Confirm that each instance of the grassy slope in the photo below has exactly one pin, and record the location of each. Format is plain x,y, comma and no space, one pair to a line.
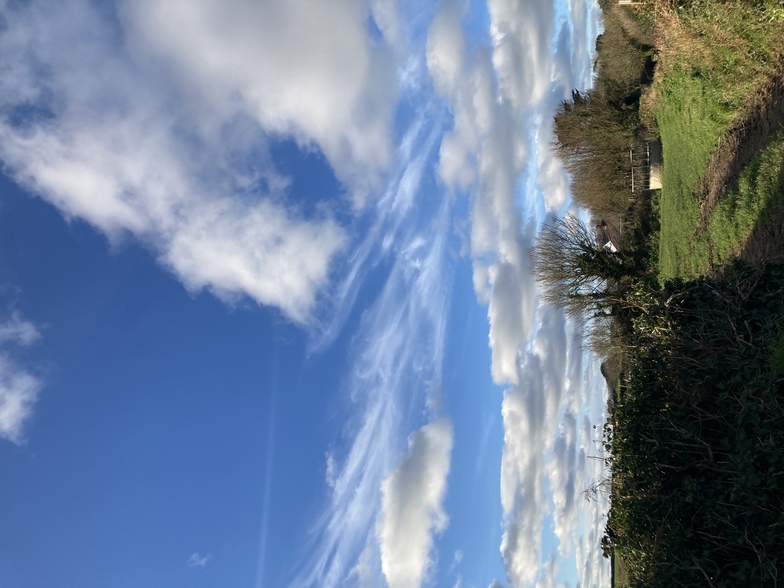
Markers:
682,114
759,195
716,56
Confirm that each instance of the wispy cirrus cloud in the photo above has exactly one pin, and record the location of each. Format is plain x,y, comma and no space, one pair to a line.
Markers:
396,371
155,120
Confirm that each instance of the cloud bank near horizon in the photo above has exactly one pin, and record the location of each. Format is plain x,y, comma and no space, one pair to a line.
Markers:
498,151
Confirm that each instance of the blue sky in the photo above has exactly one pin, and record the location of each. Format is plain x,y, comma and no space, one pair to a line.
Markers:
266,317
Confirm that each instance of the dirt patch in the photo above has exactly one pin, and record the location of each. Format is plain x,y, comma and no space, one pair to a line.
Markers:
763,116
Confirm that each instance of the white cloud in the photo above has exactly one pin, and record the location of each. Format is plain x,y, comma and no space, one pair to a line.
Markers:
19,388
18,330
562,475
522,33
548,574
456,560
499,151
396,369
284,64
197,560
18,393
445,49
511,314
330,470
388,20
411,506
165,135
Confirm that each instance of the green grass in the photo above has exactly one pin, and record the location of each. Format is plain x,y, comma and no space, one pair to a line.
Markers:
619,571
690,128
759,194
722,53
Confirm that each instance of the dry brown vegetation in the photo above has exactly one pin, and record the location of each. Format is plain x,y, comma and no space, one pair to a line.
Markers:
595,129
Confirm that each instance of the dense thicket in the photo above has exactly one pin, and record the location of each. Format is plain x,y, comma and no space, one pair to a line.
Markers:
696,432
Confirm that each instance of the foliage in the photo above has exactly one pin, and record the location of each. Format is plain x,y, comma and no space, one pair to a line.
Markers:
696,438
595,129
695,352
777,355
593,139
622,52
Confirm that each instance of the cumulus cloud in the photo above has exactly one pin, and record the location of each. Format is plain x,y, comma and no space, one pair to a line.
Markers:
283,64
411,505
156,121
562,473
522,33
18,387
499,152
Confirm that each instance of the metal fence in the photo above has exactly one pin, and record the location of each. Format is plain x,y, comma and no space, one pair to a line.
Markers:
640,164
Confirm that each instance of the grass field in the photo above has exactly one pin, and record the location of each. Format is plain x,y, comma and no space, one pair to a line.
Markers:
758,197
682,114
685,250
713,59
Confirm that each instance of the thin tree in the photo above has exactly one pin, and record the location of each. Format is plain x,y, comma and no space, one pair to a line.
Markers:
575,274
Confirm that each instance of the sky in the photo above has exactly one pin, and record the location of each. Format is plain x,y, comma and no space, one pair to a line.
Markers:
266,314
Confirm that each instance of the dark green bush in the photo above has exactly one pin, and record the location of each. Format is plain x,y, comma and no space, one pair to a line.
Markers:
696,438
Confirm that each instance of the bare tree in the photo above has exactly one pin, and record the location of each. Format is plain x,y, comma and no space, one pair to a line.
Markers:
574,272
592,139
